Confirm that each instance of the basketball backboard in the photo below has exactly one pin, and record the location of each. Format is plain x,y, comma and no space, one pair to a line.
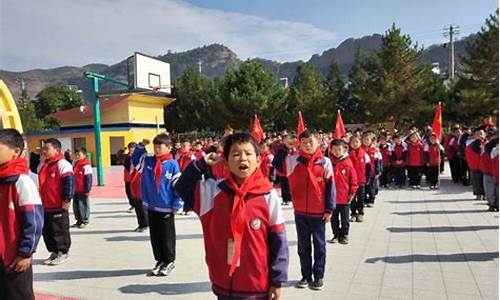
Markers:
148,74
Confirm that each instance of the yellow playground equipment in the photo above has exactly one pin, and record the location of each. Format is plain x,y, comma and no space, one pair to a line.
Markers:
9,116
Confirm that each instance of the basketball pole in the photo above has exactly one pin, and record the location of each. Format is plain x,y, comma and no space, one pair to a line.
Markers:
95,77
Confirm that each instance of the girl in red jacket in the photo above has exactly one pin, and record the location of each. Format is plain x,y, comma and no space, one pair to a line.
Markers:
346,185
414,159
361,162
432,159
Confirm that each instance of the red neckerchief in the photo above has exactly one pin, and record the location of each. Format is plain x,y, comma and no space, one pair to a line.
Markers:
14,167
311,158
158,167
42,175
255,184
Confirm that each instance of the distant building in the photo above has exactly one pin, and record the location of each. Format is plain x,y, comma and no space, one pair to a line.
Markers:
124,118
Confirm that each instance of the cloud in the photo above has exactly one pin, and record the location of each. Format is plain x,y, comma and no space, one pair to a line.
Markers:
42,34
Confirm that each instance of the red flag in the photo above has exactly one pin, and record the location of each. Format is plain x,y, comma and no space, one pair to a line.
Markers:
339,126
300,126
437,122
257,132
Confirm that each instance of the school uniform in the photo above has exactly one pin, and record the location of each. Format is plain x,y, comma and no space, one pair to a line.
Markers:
414,162
486,166
464,166
137,159
83,185
453,154
57,186
361,162
386,176
127,178
313,194
346,183
246,249
473,156
266,165
494,171
432,161
398,162
375,170
278,165
158,176
184,159
21,216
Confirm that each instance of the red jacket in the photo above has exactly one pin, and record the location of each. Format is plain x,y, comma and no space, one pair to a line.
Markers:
432,154
264,250
199,154
361,162
399,154
346,179
414,154
83,176
305,198
494,169
266,163
127,162
386,152
56,183
21,214
184,159
486,163
472,154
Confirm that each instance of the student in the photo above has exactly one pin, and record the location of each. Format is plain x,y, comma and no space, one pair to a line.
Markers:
127,175
494,171
313,196
464,166
398,161
386,152
21,219
266,160
198,150
486,166
184,155
361,162
243,226
346,185
137,159
453,153
414,159
472,155
369,145
158,176
287,147
56,184
83,184
432,160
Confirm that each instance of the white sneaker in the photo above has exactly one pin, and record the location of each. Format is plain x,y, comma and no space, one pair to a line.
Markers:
166,270
61,258
52,256
156,270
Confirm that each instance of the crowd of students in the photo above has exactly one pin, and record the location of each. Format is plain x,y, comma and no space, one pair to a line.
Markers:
237,186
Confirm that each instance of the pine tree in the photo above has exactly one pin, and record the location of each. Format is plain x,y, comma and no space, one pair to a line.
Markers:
335,91
477,88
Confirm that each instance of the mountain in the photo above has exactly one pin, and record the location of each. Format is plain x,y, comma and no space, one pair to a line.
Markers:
215,59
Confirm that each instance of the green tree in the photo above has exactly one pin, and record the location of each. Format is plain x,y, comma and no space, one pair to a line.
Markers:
335,91
477,87
307,94
27,113
251,90
55,98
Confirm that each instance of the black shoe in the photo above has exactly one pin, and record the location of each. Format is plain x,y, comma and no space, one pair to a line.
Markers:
344,241
491,208
334,240
369,205
303,283
317,285
141,229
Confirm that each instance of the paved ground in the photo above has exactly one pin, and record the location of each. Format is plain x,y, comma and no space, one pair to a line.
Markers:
413,245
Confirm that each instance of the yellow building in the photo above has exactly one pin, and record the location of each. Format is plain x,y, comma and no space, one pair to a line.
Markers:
9,116
124,118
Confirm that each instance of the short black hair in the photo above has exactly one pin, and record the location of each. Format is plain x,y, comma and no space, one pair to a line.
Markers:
82,150
337,142
307,134
198,143
131,144
11,138
238,138
162,139
54,142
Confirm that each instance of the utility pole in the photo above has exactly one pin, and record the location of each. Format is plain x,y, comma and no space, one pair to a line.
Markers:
451,31
199,66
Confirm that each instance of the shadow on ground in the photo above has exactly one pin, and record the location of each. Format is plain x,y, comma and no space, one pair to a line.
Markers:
438,212
142,238
73,275
442,228
167,288
455,257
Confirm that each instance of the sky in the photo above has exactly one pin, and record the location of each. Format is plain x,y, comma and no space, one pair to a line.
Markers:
54,33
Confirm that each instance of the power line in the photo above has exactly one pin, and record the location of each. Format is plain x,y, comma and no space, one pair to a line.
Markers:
451,31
